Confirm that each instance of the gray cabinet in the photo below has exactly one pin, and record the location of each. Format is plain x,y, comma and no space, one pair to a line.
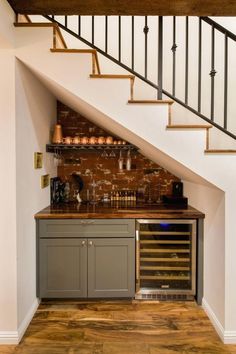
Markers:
62,268
71,265
111,265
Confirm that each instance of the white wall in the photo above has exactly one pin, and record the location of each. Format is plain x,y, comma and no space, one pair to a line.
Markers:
227,22
35,116
7,39
27,113
211,201
8,291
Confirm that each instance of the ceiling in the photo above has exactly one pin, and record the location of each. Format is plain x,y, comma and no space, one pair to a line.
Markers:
126,7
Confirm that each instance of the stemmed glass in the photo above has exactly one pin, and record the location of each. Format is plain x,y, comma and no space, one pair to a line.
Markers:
112,154
104,154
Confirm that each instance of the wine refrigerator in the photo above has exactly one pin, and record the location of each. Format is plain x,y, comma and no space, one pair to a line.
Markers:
166,259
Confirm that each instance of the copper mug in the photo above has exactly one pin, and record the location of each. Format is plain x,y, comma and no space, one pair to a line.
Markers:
67,140
76,140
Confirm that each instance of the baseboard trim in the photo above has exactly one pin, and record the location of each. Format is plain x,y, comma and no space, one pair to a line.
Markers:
214,320
25,323
227,337
230,337
10,337
14,337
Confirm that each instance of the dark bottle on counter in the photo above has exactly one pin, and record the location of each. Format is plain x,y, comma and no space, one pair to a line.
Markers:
67,192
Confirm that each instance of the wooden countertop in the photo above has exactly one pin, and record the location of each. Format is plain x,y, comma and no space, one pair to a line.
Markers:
117,211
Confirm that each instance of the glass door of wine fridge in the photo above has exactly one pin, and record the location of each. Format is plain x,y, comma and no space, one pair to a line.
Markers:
165,257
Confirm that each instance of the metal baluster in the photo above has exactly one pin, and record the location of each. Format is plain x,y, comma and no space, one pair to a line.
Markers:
106,32
92,29
132,48
160,57
173,48
145,31
199,65
79,25
226,82
186,59
119,37
65,21
212,72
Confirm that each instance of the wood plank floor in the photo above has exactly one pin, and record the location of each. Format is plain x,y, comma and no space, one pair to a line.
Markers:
120,327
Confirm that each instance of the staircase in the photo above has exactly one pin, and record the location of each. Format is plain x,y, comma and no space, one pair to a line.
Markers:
140,121
207,83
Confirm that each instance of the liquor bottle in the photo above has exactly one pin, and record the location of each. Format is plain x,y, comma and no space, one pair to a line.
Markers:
120,161
128,161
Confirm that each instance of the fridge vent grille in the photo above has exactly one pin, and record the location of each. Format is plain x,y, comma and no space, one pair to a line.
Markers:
165,297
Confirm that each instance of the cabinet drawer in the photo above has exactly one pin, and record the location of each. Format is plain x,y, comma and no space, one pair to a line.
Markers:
86,228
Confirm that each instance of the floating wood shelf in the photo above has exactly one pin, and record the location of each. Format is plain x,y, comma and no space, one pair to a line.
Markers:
89,147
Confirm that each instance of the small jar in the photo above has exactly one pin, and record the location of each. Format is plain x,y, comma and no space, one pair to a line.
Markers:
84,140
109,140
101,140
76,140
67,140
92,140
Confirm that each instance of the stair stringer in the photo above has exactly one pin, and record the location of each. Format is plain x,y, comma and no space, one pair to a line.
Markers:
144,125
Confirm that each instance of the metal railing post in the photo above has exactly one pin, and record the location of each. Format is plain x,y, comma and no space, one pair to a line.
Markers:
173,48
160,57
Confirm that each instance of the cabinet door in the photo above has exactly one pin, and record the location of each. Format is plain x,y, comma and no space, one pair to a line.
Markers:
111,267
63,268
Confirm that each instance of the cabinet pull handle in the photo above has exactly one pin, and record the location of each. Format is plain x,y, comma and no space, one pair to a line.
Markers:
83,243
90,243
87,222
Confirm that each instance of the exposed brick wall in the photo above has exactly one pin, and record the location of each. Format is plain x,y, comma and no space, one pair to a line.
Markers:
91,166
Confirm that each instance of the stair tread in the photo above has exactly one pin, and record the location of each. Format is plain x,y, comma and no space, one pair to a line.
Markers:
68,50
189,126
151,101
111,76
220,151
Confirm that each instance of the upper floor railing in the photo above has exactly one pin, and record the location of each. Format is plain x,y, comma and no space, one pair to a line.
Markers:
189,59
